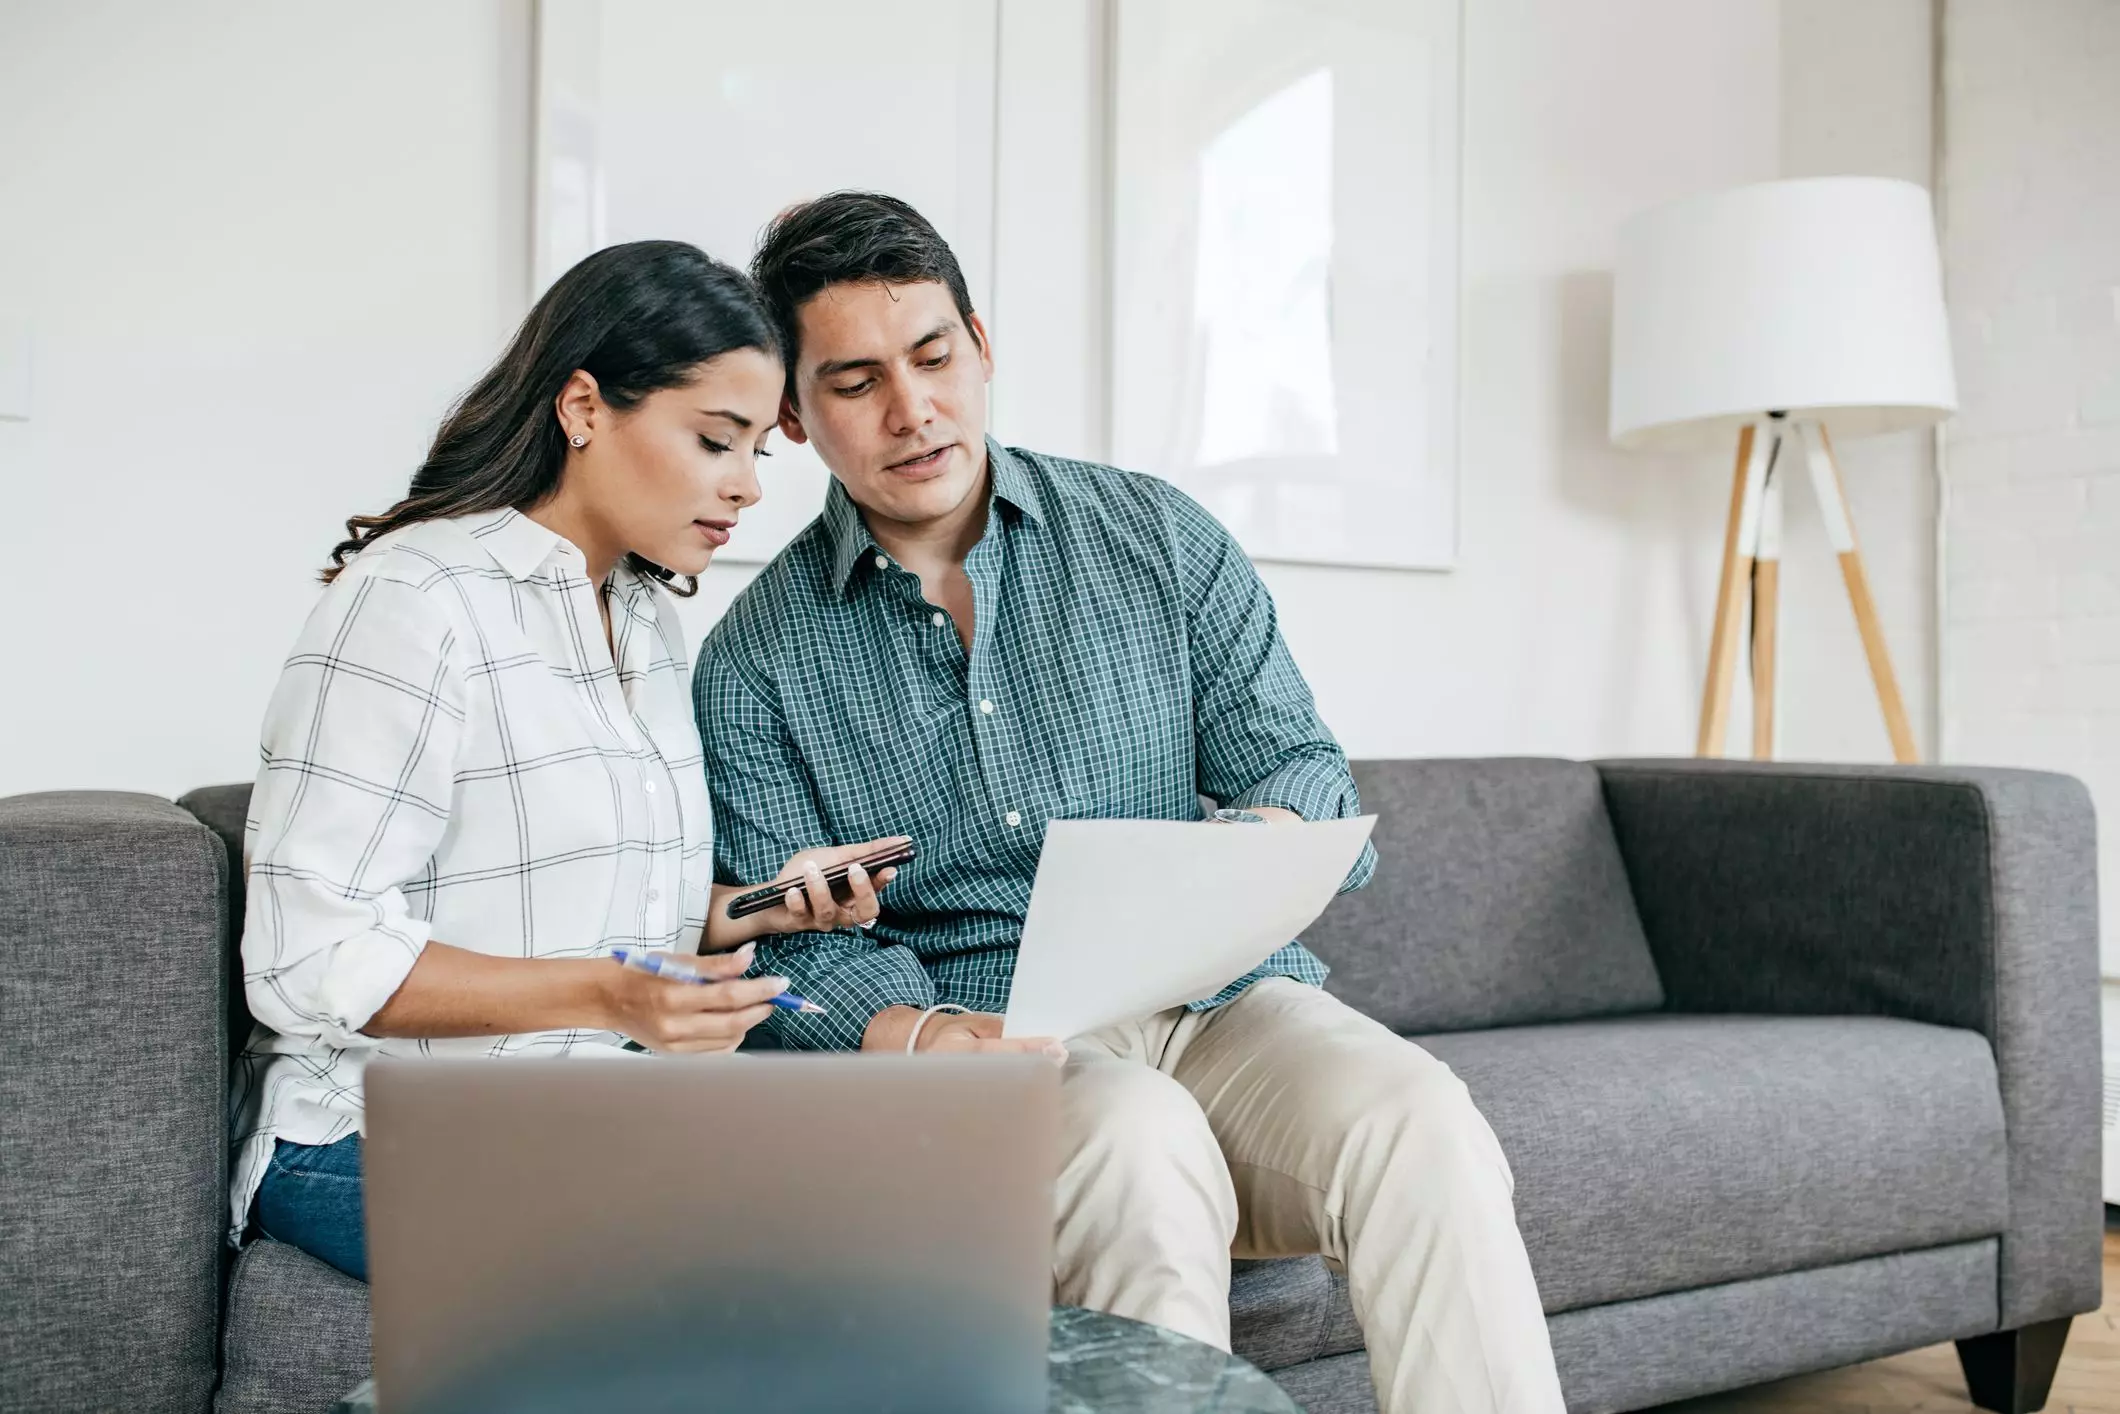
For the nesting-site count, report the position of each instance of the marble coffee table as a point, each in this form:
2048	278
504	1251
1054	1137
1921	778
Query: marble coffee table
1103	1364
1100	1363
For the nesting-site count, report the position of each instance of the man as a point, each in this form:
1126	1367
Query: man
972	640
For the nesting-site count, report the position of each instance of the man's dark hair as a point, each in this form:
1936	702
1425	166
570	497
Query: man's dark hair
848	237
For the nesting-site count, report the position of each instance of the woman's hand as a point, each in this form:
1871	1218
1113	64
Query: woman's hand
811	908
689	1016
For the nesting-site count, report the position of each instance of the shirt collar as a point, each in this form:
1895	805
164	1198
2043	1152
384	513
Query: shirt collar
518	544
1013	483
847	533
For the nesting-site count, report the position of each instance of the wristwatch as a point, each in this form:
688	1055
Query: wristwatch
1237	817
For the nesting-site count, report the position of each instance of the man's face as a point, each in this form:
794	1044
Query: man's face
890	387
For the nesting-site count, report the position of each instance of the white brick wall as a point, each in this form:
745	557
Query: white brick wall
2031	213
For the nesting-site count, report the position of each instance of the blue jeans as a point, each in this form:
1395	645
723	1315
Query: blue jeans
311	1199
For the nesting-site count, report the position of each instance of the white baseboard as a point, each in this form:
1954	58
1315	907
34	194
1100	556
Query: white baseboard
2111	1050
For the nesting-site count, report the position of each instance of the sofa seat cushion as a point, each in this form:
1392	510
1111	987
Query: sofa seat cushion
1651	1154
295	1336
1499	900
1290	1310
1662	1153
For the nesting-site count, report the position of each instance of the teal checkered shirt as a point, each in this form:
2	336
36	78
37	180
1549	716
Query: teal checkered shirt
1125	661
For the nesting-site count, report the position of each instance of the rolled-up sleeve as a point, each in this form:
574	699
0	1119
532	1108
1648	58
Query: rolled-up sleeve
1257	731
353	796
765	809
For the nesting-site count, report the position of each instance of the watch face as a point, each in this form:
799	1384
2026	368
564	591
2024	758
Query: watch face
1240	817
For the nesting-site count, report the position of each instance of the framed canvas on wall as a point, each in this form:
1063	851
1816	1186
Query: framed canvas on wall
1285	269
698	120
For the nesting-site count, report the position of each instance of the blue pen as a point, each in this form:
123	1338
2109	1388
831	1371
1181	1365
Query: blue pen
660	964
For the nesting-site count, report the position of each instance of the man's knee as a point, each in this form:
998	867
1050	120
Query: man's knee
1147	1209
1138	1133
1417	1114
1124	1105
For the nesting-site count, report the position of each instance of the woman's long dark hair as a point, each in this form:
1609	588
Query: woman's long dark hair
637	318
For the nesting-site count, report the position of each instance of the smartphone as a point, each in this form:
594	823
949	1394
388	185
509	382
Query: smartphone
759	900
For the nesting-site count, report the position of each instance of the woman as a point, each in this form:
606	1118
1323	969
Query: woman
480	768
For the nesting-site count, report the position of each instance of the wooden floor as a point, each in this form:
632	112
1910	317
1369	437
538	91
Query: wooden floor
1929	1380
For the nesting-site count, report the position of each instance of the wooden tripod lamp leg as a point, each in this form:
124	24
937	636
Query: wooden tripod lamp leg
1766	619
1729	595
1840	529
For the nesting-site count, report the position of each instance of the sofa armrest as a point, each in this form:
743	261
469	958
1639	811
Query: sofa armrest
1963	897
113	1097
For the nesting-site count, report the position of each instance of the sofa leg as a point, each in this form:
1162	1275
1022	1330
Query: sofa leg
2011	1371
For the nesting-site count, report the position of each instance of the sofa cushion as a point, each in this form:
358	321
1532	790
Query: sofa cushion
1499	900
112	1091
1651	1154
1662	1153
225	810
295	1337
1287	1311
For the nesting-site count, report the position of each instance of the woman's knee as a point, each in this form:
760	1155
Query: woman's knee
312	1198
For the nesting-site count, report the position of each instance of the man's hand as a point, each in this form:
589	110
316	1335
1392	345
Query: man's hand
811	908
955	1033
1268	815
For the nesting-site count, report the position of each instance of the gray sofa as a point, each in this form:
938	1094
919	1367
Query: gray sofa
1796	1066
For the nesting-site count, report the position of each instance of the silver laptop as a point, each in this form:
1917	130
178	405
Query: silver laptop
770	1234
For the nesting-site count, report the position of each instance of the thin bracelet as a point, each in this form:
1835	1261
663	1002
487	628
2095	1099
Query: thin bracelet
914	1039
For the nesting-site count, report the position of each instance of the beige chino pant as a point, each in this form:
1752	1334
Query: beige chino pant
1287	1123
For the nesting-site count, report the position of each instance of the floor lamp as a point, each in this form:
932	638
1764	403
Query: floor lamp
1780	317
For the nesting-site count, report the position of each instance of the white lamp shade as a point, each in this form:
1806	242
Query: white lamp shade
1821	298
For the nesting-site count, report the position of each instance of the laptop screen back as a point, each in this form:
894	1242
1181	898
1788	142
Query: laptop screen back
772	1233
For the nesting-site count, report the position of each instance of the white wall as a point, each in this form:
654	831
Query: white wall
1576	622
260	248
2032	267
270	242
1857	89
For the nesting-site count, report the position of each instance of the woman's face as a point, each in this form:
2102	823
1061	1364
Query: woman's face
666	479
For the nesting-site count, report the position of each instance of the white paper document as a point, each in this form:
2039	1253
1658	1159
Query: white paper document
1131	917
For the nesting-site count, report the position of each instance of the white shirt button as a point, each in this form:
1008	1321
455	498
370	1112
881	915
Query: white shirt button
1013	819
988	708
648	786
941	619
883	562
654	894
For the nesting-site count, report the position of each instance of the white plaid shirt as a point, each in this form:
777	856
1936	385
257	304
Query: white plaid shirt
451	754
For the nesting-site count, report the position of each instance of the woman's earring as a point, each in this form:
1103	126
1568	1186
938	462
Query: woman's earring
577	440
